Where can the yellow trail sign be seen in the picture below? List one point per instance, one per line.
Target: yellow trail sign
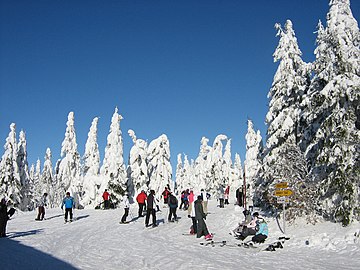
(281, 185)
(283, 193)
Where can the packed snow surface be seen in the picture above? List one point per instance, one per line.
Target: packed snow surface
(96, 240)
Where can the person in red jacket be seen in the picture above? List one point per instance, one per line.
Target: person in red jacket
(141, 199)
(166, 194)
(106, 196)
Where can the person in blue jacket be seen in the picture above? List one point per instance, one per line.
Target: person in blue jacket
(68, 201)
(263, 231)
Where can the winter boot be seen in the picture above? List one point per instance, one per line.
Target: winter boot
(208, 237)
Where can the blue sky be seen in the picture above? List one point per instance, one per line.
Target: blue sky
(183, 68)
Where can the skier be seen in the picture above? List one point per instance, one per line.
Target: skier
(204, 200)
(221, 196)
(262, 232)
(3, 217)
(191, 211)
(106, 196)
(173, 204)
(186, 199)
(42, 202)
(182, 199)
(69, 203)
(141, 198)
(226, 194)
(151, 206)
(240, 196)
(126, 208)
(191, 199)
(200, 217)
(165, 194)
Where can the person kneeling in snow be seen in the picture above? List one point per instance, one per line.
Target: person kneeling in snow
(262, 232)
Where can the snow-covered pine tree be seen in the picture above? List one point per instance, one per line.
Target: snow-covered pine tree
(69, 167)
(159, 166)
(26, 194)
(290, 84)
(188, 181)
(202, 165)
(179, 178)
(137, 169)
(236, 178)
(113, 169)
(252, 163)
(227, 164)
(47, 179)
(9, 170)
(91, 167)
(216, 178)
(330, 118)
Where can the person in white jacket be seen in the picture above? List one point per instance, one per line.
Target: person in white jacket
(126, 208)
(204, 200)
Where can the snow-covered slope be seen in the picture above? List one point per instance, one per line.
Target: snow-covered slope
(96, 240)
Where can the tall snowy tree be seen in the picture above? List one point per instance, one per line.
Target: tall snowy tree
(330, 118)
(47, 179)
(91, 167)
(137, 169)
(159, 166)
(69, 167)
(217, 178)
(179, 176)
(26, 194)
(291, 82)
(9, 170)
(252, 161)
(113, 168)
(202, 165)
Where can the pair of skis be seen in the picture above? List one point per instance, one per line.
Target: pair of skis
(268, 247)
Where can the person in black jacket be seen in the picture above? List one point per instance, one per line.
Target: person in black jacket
(3, 218)
(151, 206)
(173, 204)
(200, 217)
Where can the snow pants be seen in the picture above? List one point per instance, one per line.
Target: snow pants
(141, 209)
(172, 212)
(201, 228)
(148, 213)
(123, 219)
(259, 238)
(68, 211)
(3, 222)
(41, 213)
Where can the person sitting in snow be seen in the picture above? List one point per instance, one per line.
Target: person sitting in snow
(200, 217)
(262, 232)
(249, 228)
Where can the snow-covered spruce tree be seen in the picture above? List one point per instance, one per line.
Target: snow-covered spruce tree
(137, 169)
(113, 169)
(330, 117)
(91, 167)
(202, 165)
(227, 163)
(252, 164)
(291, 82)
(39, 187)
(217, 178)
(47, 179)
(179, 176)
(69, 167)
(188, 181)
(26, 194)
(9, 170)
(159, 166)
(236, 176)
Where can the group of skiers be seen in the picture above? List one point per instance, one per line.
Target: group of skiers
(196, 206)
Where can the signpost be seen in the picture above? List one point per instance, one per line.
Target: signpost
(282, 195)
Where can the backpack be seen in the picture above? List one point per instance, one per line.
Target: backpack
(173, 200)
